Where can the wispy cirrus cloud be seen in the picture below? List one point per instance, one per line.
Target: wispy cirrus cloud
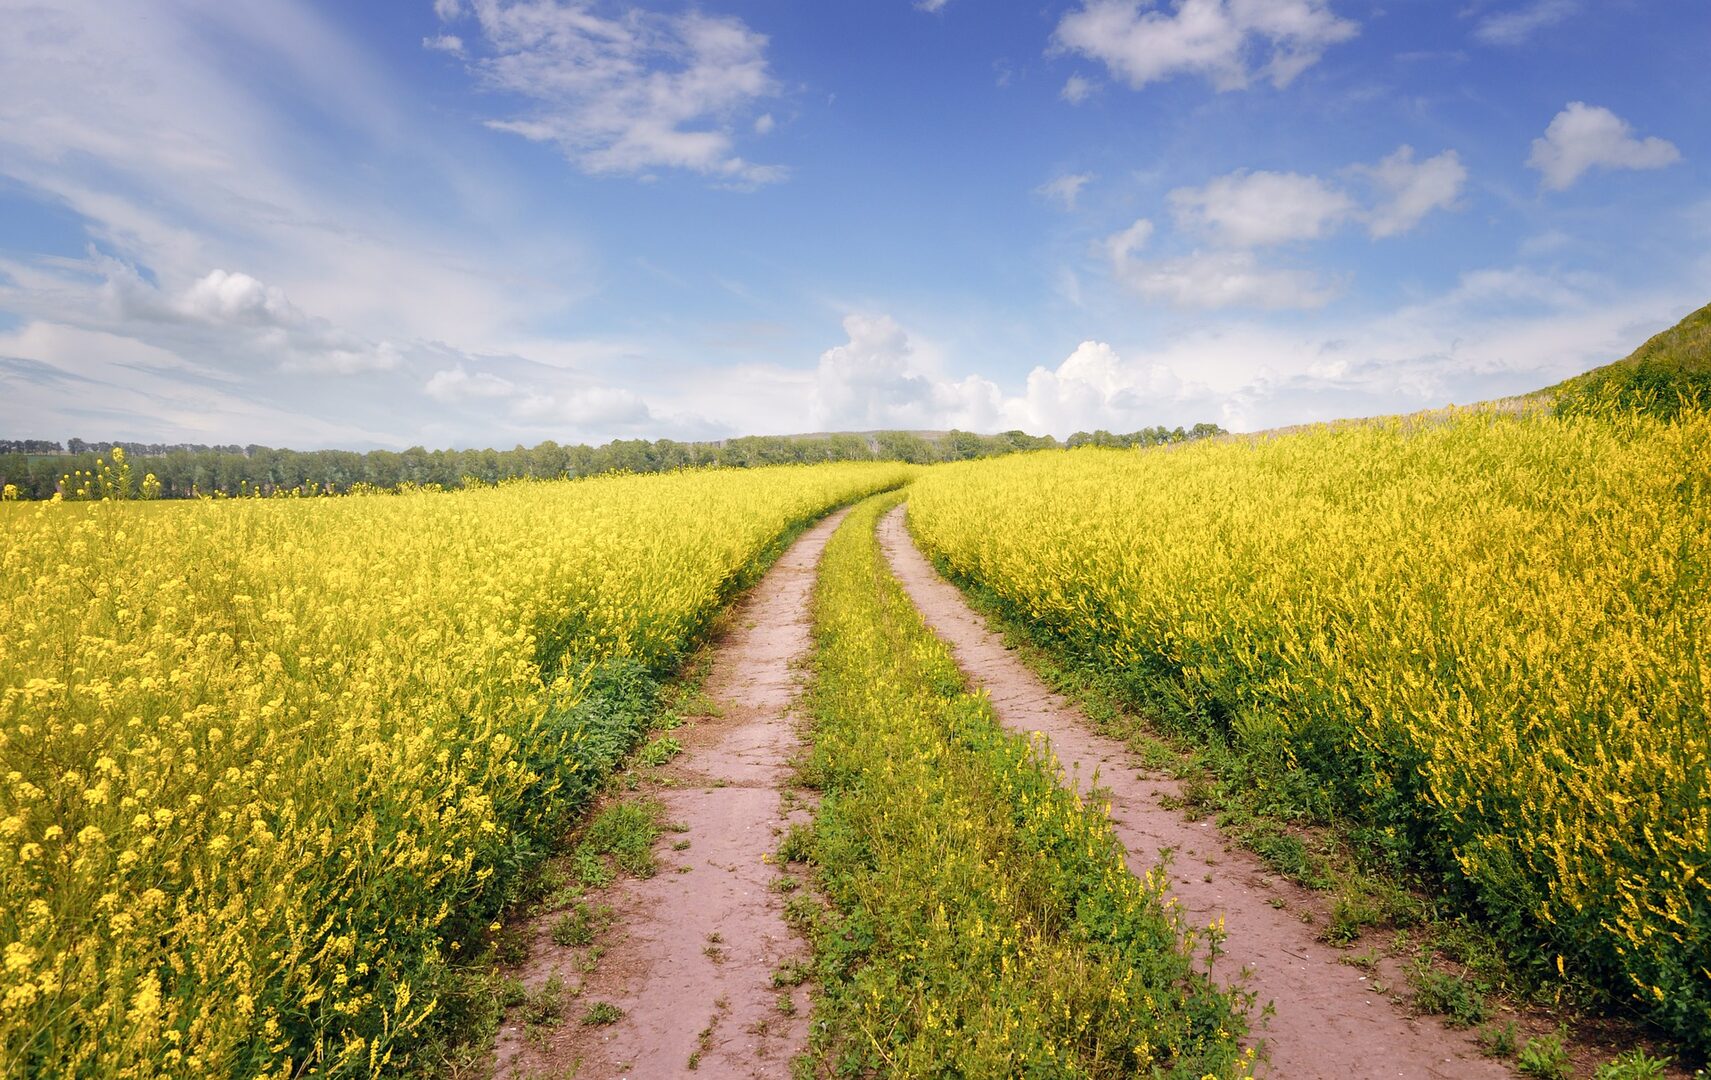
(631, 93)
(1517, 25)
(1065, 188)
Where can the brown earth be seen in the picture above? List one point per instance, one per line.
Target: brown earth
(691, 952)
(1330, 1019)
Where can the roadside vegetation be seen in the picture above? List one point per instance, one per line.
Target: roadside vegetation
(272, 769)
(981, 920)
(1472, 647)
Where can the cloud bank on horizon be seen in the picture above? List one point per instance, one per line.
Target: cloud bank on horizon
(487, 222)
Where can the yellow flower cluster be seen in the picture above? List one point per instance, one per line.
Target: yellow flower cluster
(1485, 635)
(265, 764)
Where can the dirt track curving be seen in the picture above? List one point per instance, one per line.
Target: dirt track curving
(691, 954)
(1329, 1021)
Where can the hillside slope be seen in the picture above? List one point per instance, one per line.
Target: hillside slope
(1670, 372)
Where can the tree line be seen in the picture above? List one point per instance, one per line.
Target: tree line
(37, 469)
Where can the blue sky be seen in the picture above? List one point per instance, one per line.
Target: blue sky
(484, 222)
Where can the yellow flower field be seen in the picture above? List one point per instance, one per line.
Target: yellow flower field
(1486, 637)
(269, 765)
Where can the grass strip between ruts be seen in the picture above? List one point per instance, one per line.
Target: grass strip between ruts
(981, 920)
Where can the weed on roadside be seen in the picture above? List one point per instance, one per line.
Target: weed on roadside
(1545, 1058)
(601, 1013)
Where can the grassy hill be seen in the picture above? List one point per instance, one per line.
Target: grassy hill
(1669, 373)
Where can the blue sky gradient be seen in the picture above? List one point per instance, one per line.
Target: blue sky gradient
(484, 222)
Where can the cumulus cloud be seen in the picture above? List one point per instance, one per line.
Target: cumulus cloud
(931, 5)
(1409, 189)
(630, 93)
(222, 297)
(235, 312)
(1583, 137)
(1258, 209)
(1227, 42)
(446, 43)
(1076, 89)
(1516, 25)
(1498, 331)
(1255, 209)
(871, 381)
(878, 380)
(1065, 188)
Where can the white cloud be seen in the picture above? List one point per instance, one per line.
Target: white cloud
(878, 380)
(455, 384)
(630, 93)
(1121, 246)
(187, 136)
(604, 408)
(1217, 39)
(446, 43)
(1215, 279)
(931, 5)
(1065, 188)
(1585, 136)
(448, 9)
(221, 297)
(1254, 209)
(764, 123)
(1258, 209)
(1515, 26)
(869, 382)
(1409, 189)
(1076, 89)
(1222, 279)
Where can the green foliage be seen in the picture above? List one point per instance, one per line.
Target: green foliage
(1449, 995)
(573, 928)
(544, 1006)
(601, 1013)
(35, 469)
(1636, 1064)
(623, 832)
(659, 751)
(1545, 1058)
(1498, 1040)
(1668, 375)
(983, 921)
(797, 846)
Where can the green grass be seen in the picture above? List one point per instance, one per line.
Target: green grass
(1545, 1058)
(1671, 372)
(602, 1013)
(981, 919)
(1454, 997)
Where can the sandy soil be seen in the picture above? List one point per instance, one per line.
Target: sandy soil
(1329, 1021)
(690, 955)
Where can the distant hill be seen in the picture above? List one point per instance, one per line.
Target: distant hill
(1669, 373)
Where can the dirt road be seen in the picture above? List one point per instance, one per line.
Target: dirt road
(692, 950)
(1329, 1022)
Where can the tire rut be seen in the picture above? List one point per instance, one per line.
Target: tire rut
(1328, 1022)
(692, 950)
